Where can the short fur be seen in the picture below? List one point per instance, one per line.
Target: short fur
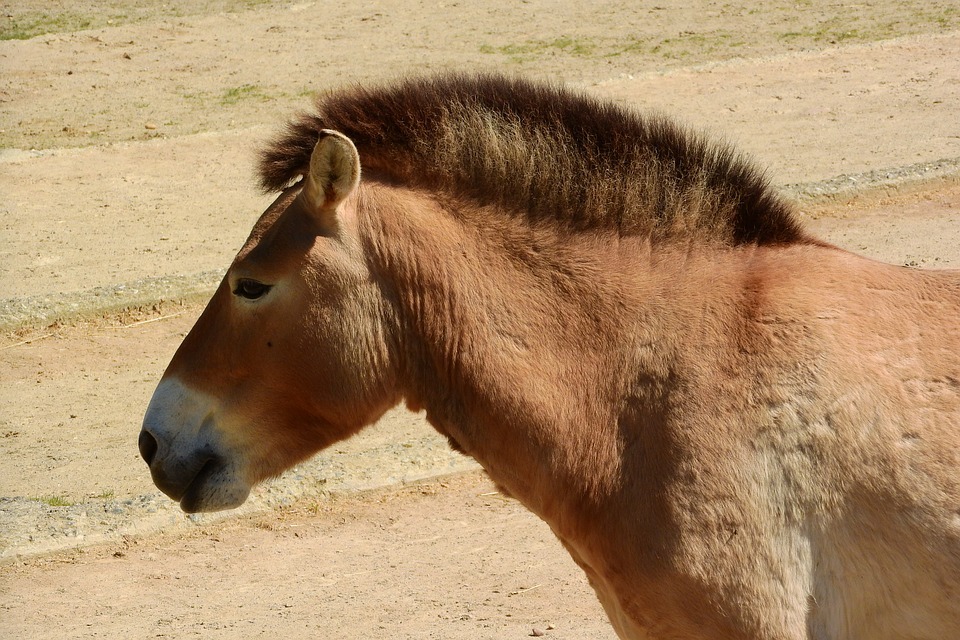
(738, 432)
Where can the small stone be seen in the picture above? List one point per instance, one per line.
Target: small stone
(150, 126)
(536, 633)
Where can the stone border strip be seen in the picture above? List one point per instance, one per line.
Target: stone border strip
(38, 311)
(846, 187)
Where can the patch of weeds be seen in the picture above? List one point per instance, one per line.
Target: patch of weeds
(196, 97)
(690, 44)
(246, 5)
(106, 495)
(632, 45)
(18, 23)
(243, 92)
(824, 33)
(687, 45)
(856, 23)
(56, 501)
(530, 49)
(947, 18)
(573, 46)
(30, 25)
(855, 29)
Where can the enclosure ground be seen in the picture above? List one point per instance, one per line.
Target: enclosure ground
(128, 134)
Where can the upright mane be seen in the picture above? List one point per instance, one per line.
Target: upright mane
(545, 152)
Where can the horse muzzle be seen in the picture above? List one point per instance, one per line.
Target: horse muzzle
(181, 446)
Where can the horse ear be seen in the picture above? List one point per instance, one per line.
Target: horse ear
(334, 173)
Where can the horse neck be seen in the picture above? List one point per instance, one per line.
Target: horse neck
(523, 347)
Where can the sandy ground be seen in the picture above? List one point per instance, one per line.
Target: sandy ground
(126, 156)
(441, 560)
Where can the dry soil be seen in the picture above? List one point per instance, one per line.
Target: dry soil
(127, 134)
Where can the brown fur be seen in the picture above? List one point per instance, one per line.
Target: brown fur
(544, 152)
(738, 432)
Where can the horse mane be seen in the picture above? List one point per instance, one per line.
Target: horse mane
(545, 152)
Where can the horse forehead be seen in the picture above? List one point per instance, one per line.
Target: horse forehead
(272, 213)
(283, 230)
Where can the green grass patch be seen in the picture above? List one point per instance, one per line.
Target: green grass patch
(531, 49)
(683, 45)
(29, 25)
(243, 92)
(573, 46)
(30, 18)
(830, 34)
(696, 45)
(56, 501)
(861, 28)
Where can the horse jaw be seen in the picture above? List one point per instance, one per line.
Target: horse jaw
(187, 454)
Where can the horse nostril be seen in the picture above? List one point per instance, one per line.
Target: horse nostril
(148, 446)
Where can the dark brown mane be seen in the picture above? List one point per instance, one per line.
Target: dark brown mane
(545, 152)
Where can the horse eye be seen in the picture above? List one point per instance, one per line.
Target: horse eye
(250, 289)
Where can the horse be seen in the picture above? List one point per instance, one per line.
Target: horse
(737, 430)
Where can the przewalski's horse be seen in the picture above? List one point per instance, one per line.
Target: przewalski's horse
(738, 431)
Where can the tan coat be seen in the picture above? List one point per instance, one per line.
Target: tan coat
(736, 430)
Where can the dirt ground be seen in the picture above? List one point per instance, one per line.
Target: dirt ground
(450, 559)
(126, 155)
